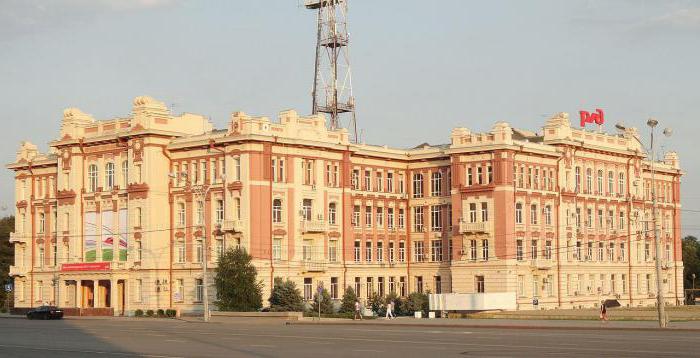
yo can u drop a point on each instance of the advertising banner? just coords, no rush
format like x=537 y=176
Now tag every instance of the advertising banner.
x=90 y=237
x=123 y=234
x=108 y=236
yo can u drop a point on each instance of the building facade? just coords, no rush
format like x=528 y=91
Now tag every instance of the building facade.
x=121 y=213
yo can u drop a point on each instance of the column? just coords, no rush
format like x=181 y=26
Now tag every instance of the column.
x=95 y=293
x=113 y=296
x=79 y=293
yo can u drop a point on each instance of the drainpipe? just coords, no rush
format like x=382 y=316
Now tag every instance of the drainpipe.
x=559 y=238
x=31 y=220
x=629 y=231
x=172 y=232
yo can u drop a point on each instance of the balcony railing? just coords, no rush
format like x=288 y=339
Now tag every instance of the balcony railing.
x=314 y=226
x=232 y=225
x=315 y=265
x=468 y=228
x=16 y=238
x=17 y=271
x=541 y=264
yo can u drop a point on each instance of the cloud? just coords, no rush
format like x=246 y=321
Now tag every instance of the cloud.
x=682 y=18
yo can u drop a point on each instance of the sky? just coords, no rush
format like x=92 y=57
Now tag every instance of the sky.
x=420 y=68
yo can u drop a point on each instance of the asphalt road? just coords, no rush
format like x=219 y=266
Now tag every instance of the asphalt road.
x=170 y=338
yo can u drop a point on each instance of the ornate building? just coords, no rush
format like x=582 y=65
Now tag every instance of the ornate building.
x=121 y=213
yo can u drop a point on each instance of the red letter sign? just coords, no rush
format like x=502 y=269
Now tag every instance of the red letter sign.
x=598 y=117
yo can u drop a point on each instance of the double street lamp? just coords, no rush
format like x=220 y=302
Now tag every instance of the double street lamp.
x=660 y=305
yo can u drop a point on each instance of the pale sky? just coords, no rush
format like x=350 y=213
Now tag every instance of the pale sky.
x=420 y=68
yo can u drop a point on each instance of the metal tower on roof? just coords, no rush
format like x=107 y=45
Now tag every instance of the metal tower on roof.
x=332 y=86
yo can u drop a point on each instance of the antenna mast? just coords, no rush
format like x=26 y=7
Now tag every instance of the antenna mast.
x=332 y=86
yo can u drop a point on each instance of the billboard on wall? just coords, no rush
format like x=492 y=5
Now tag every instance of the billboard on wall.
x=123 y=234
x=90 y=237
x=107 y=244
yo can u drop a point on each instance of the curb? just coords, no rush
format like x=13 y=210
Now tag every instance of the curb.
x=511 y=326
x=13 y=316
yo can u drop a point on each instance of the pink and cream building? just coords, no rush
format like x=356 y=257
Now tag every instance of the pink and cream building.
x=120 y=213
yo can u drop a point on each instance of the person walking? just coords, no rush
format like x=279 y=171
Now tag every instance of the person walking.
x=390 y=310
x=357 y=311
x=603 y=312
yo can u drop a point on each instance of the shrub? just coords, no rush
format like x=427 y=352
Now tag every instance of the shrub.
x=138 y=313
x=170 y=313
x=285 y=297
x=392 y=297
x=160 y=312
x=376 y=304
x=416 y=302
x=3 y=310
x=326 y=303
x=347 y=305
x=150 y=313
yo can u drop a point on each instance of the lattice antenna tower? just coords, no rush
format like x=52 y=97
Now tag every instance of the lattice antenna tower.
x=332 y=86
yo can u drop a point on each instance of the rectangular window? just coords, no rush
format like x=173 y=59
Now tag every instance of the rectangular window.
x=368 y=251
x=368 y=180
x=138 y=290
x=469 y=177
x=472 y=250
x=485 y=249
x=418 y=251
x=390 y=182
x=357 y=250
x=380 y=286
x=418 y=219
x=370 y=286
x=391 y=251
x=368 y=216
x=402 y=187
x=380 y=251
x=199 y=290
x=402 y=219
x=333 y=250
x=480 y=284
x=472 y=212
x=548 y=250
x=308 y=289
x=219 y=211
x=355 y=179
x=519 y=250
x=417 y=185
x=390 y=218
x=276 y=249
x=484 y=212
x=436 y=250
x=380 y=217
x=380 y=181
x=179 y=294
x=358 y=285
x=436 y=218
x=533 y=249
x=402 y=251
x=334 y=288
x=181 y=253
x=199 y=251
x=419 y=284
x=402 y=286
x=356 y=216
x=436 y=184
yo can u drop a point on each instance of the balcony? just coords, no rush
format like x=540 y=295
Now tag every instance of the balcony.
x=471 y=228
x=16 y=238
x=17 y=271
x=540 y=264
x=314 y=226
x=315 y=265
x=232 y=226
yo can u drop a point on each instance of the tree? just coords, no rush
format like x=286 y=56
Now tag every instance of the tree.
x=376 y=304
x=347 y=304
x=691 y=260
x=7 y=225
x=236 y=285
x=326 y=303
x=285 y=297
x=416 y=302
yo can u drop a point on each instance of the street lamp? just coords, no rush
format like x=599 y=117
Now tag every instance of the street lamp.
x=660 y=306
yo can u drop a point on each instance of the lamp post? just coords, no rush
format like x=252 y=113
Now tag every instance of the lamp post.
x=660 y=305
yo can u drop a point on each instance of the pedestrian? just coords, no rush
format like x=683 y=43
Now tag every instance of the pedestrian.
x=390 y=310
x=603 y=312
x=357 y=311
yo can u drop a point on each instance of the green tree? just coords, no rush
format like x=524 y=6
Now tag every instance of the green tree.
x=237 y=288
x=376 y=304
x=691 y=260
x=347 y=305
x=7 y=225
x=416 y=302
x=326 y=303
x=285 y=297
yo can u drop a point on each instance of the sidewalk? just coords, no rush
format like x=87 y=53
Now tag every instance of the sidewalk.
x=506 y=323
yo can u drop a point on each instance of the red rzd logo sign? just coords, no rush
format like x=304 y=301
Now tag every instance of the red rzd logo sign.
x=597 y=117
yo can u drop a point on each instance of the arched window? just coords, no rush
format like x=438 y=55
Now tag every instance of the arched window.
x=277 y=210
x=109 y=176
x=332 y=213
x=519 y=213
x=92 y=177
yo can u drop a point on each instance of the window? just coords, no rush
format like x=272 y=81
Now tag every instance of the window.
x=624 y=283
x=42 y=223
x=600 y=219
x=611 y=252
x=621 y=184
x=469 y=177
x=472 y=212
x=333 y=250
x=489 y=173
x=357 y=251
x=356 y=216
x=600 y=182
x=392 y=285
x=181 y=253
x=220 y=211
x=237 y=206
x=308 y=290
x=485 y=249
x=198 y=290
x=548 y=285
x=417 y=185
x=578 y=179
x=334 y=288
x=219 y=248
x=368 y=180
x=125 y=174
x=611 y=183
x=390 y=218
x=519 y=250
x=418 y=219
x=199 y=250
x=436 y=250
x=402 y=251
x=380 y=216
x=368 y=251
x=332 y=213
x=533 y=249
x=390 y=182
x=436 y=184
x=42 y=257
x=622 y=251
x=355 y=179
x=237 y=168
x=402 y=187
x=589 y=181
x=611 y=219
x=391 y=251
x=306 y=209
x=277 y=210
x=533 y=214
x=92 y=177
x=380 y=251
x=370 y=286
x=537 y=179
x=418 y=251
x=484 y=212
x=181 y=214
x=358 y=285
x=139 y=252
x=306 y=251
x=518 y=213
x=368 y=216
x=138 y=290
x=472 y=250
x=419 y=284
x=548 y=215
x=436 y=217
x=589 y=218
x=401 y=218
x=380 y=181
x=380 y=286
x=480 y=285
x=276 y=248
x=200 y=212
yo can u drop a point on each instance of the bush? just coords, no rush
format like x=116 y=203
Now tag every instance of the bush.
x=138 y=313
x=416 y=302
x=150 y=313
x=326 y=303
x=160 y=312
x=376 y=304
x=392 y=297
x=285 y=297
x=347 y=305
x=170 y=313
